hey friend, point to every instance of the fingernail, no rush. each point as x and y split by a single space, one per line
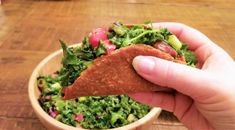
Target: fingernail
144 65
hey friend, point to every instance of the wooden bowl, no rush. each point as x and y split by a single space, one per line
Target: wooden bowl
49 65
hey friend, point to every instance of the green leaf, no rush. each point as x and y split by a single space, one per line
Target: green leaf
148 22
60 105
84 52
100 49
69 57
115 117
190 57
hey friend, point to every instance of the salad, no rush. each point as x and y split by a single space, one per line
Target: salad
103 112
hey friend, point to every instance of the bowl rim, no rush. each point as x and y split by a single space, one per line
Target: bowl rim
39 111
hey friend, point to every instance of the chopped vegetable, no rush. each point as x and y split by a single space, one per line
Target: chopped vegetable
174 42
53 113
56 86
188 55
117 118
118 28
166 48
91 112
96 35
131 118
81 99
100 49
79 117
110 47
136 34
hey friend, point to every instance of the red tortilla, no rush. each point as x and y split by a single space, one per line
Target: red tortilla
114 74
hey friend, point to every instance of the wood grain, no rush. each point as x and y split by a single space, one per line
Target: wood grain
30 29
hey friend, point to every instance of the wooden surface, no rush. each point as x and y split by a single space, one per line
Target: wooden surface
30 29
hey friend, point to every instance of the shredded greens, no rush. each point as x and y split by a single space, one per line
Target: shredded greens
123 36
100 112
190 57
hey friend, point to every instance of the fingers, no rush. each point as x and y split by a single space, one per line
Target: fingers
186 34
177 103
182 106
187 80
197 41
203 47
155 99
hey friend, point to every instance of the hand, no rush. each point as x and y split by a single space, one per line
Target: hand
205 97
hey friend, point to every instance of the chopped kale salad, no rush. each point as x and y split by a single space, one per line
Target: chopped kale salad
103 112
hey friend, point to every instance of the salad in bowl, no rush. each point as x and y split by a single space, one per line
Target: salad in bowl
86 85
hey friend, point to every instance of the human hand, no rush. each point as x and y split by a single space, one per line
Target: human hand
205 97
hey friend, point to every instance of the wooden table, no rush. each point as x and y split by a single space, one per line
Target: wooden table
30 29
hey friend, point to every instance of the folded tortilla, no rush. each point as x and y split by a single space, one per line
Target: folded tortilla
114 74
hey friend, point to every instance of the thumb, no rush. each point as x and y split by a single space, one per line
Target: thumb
185 79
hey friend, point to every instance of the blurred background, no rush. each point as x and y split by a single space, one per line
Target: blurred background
30 30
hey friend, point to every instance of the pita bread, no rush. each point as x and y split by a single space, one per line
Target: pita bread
114 74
